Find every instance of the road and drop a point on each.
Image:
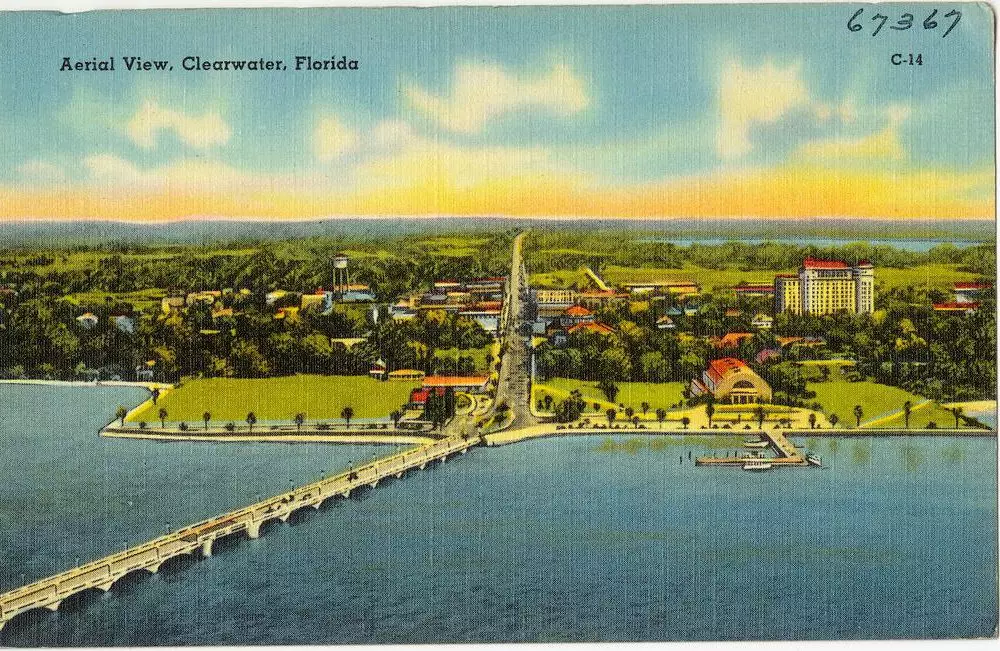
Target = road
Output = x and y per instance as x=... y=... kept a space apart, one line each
x=514 y=386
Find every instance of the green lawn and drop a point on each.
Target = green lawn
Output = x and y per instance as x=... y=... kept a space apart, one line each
x=839 y=397
x=319 y=397
x=631 y=394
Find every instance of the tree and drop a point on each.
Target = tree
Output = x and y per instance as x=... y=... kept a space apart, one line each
x=121 y=413
x=629 y=412
x=207 y=416
x=644 y=407
x=834 y=419
x=907 y=410
x=251 y=420
x=957 y=413
x=710 y=411
x=759 y=414
x=812 y=420
x=396 y=416
x=635 y=421
x=611 y=415
x=858 y=414
x=661 y=415
x=609 y=388
x=347 y=413
x=155 y=394
x=547 y=402
x=163 y=417
x=685 y=421
x=299 y=419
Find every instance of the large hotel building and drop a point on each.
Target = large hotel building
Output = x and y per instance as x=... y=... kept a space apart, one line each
x=825 y=287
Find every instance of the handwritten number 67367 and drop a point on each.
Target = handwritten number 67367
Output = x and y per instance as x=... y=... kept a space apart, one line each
x=904 y=22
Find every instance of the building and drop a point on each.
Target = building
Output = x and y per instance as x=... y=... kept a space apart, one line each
x=826 y=287
x=471 y=384
x=377 y=370
x=418 y=397
x=754 y=289
x=733 y=339
x=124 y=323
x=591 y=326
x=665 y=323
x=596 y=299
x=172 y=304
x=406 y=375
x=971 y=292
x=762 y=321
x=731 y=380
x=555 y=297
x=671 y=287
x=207 y=297
x=957 y=308
x=87 y=320
x=575 y=314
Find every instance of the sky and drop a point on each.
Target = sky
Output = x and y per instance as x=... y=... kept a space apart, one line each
x=776 y=111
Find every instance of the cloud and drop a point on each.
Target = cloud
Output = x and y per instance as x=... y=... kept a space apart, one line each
x=749 y=96
x=332 y=139
x=113 y=174
x=884 y=145
x=197 y=131
x=481 y=92
x=41 y=172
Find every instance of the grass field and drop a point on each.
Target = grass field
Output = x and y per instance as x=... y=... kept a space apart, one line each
x=839 y=397
x=319 y=397
x=936 y=276
x=631 y=394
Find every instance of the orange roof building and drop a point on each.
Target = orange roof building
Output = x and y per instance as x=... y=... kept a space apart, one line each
x=731 y=380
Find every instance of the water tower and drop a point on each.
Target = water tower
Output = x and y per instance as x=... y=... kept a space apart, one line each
x=340 y=273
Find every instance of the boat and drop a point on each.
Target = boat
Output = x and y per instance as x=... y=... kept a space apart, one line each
x=755 y=443
x=756 y=466
x=814 y=460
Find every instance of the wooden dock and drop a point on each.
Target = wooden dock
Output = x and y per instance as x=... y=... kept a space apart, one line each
x=785 y=454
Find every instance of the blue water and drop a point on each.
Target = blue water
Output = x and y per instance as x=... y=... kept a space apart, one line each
x=912 y=245
x=540 y=541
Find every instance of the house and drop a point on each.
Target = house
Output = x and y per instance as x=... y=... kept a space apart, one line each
x=733 y=339
x=87 y=320
x=672 y=287
x=674 y=311
x=124 y=323
x=557 y=335
x=406 y=374
x=171 y=304
x=444 y=286
x=575 y=314
x=691 y=310
x=402 y=310
x=762 y=321
x=320 y=301
x=971 y=292
x=561 y=298
x=768 y=355
x=592 y=326
x=665 y=323
x=272 y=297
x=733 y=313
x=470 y=383
x=418 y=397
x=357 y=296
x=957 y=308
x=222 y=312
x=595 y=299
x=378 y=369
x=289 y=313
x=145 y=373
x=731 y=380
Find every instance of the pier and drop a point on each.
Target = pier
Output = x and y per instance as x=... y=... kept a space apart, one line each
x=786 y=454
x=197 y=539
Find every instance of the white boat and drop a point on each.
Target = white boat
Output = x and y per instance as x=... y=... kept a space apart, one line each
x=756 y=466
x=755 y=443
x=814 y=460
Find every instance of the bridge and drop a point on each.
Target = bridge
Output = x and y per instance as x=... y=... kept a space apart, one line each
x=198 y=538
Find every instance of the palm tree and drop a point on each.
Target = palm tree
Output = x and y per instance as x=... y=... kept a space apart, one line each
x=685 y=422
x=710 y=411
x=251 y=420
x=611 y=414
x=661 y=415
x=957 y=413
x=163 y=417
x=858 y=413
x=629 y=412
x=644 y=407
x=120 y=414
x=812 y=420
x=834 y=419
x=635 y=421
x=207 y=416
x=156 y=395
x=396 y=416
x=759 y=414
x=299 y=419
x=347 y=413
x=907 y=410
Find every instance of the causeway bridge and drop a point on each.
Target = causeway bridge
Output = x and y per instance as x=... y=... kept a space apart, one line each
x=197 y=539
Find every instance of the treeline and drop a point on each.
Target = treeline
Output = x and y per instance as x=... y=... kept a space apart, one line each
x=391 y=266
x=548 y=251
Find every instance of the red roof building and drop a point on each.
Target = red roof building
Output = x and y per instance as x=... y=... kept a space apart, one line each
x=816 y=263
x=473 y=383
x=594 y=326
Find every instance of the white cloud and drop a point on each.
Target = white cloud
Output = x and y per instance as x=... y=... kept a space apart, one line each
x=332 y=139
x=184 y=175
x=481 y=92
x=197 y=131
x=749 y=96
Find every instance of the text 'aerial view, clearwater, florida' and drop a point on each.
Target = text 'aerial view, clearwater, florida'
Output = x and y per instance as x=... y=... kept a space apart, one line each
x=497 y=324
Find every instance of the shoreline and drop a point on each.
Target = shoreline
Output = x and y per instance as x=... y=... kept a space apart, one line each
x=306 y=436
x=149 y=386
